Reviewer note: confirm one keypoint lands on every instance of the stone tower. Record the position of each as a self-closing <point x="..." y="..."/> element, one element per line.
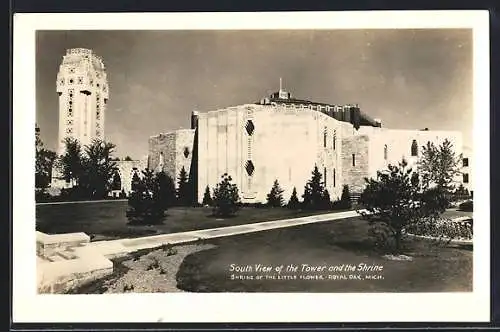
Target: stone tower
<point x="83" y="91"/>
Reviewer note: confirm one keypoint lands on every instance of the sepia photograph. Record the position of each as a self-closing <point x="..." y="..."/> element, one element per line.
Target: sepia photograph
<point x="255" y="160"/>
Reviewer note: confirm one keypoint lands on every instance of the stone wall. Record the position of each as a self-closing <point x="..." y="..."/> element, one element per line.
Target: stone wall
<point x="353" y="174"/>
<point x="177" y="150"/>
<point x="163" y="144"/>
<point x="126" y="170"/>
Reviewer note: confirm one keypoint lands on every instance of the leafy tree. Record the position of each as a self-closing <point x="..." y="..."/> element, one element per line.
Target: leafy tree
<point x="70" y="164"/>
<point x="313" y="192"/>
<point x="439" y="165"/>
<point x="183" y="189"/>
<point x="44" y="161"/>
<point x="462" y="191"/>
<point x="275" y="196"/>
<point x="396" y="200"/>
<point x="98" y="168"/>
<point x="293" y="203"/>
<point x="226" y="197"/>
<point x="127" y="158"/>
<point x="207" y="199"/>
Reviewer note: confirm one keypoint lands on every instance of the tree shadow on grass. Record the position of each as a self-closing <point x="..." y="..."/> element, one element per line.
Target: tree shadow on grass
<point x="192" y="276"/>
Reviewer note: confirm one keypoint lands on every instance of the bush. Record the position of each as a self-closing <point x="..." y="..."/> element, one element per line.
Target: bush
<point x="226" y="198"/>
<point x="466" y="206"/>
<point x="442" y="229"/>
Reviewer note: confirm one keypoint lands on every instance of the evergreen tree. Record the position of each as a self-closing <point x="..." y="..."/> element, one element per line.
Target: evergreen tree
<point x="149" y="201"/>
<point x="167" y="193"/>
<point x="226" y="197"/>
<point x="313" y="191"/>
<point x="135" y="181"/>
<point x="183" y="189"/>
<point x="326" y="201"/>
<point x="207" y="199"/>
<point x="293" y="203"/>
<point x="275" y="196"/>
<point x="396" y="200"/>
<point x="345" y="199"/>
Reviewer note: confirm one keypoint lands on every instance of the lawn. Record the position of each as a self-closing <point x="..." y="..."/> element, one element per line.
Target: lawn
<point x="434" y="268"/>
<point x="107" y="220"/>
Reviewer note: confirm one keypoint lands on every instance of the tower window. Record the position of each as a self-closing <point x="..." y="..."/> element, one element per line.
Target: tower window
<point x="70" y="81"/>
<point x="465" y="162"/>
<point x="324" y="174"/>
<point x="385" y="152"/>
<point x="250" y="127"/>
<point x="353" y="159"/>
<point x="465" y="178"/>
<point x="325" y="134"/>
<point x="334" y="139"/>
<point x="80" y="80"/>
<point x="186" y="152"/>
<point x="69" y="130"/>
<point x="414" y="148"/>
<point x="334" y="180"/>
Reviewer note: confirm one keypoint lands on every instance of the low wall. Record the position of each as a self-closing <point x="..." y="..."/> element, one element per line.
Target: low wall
<point x="66" y="261"/>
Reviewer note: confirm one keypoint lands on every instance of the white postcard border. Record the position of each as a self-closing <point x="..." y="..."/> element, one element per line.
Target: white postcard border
<point x="238" y="307"/>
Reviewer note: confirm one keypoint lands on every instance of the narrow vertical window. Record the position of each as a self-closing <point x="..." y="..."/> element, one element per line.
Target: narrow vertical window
<point x="334" y="180"/>
<point x="353" y="159"/>
<point x="334" y="139"/>
<point x="465" y="178"/>
<point x="324" y="174"/>
<point x="385" y="152"/>
<point x="324" y="138"/>
<point x="414" y="148"/>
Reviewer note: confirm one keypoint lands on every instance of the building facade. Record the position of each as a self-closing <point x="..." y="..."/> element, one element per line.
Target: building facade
<point x="83" y="91"/>
<point x="283" y="138"/>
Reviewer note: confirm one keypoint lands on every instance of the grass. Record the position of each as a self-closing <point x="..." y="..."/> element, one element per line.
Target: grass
<point x="434" y="268"/>
<point x="107" y="220"/>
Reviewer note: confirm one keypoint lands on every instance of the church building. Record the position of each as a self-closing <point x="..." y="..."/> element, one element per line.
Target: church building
<point x="283" y="138"/>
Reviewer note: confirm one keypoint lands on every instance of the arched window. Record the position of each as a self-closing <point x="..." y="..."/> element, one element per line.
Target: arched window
<point x="414" y="148"/>
<point x="385" y="152"/>
<point x="117" y="182"/>
<point x="334" y="139"/>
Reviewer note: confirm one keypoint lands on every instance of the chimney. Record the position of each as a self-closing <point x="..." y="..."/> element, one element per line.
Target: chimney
<point x="194" y="119"/>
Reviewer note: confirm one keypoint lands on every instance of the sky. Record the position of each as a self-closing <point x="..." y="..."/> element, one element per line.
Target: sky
<point x="410" y="79"/>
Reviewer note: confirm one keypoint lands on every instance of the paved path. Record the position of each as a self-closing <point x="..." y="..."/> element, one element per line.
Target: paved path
<point x="124" y="246"/>
<point x="80" y="202"/>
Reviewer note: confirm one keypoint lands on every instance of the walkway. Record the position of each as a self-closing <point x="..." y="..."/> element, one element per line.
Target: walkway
<point x="120" y="247"/>
<point x="80" y="202"/>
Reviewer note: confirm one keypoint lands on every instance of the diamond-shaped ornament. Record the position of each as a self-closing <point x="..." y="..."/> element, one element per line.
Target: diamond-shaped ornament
<point x="249" y="167"/>
<point x="250" y="127"/>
